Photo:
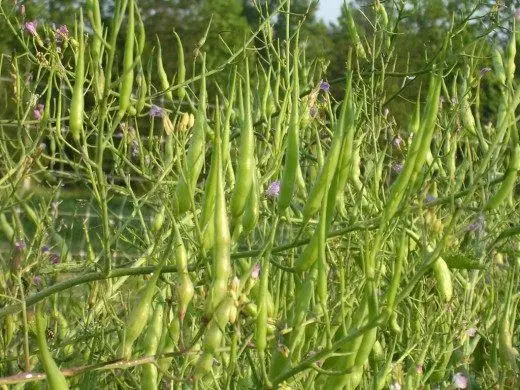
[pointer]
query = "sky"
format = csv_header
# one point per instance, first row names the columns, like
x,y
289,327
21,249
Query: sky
x,y
329,10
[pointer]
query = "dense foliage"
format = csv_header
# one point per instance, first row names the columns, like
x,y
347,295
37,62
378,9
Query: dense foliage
x,y
245,206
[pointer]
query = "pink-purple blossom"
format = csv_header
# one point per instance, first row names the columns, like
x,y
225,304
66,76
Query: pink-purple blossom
x,y
255,273
37,280
38,111
19,245
31,27
62,32
460,381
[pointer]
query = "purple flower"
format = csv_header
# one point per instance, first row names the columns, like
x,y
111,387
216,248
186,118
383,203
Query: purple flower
x,y
478,225
430,198
324,86
313,110
19,245
31,27
273,190
156,111
37,280
395,386
62,32
256,271
397,167
485,70
55,258
38,111
460,381
134,151
397,141
45,249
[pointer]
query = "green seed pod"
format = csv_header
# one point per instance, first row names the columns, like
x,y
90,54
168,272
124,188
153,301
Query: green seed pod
x,y
366,347
161,73
418,150
498,66
186,292
508,183
246,160
94,15
349,352
149,378
261,319
303,296
212,338
138,317
55,377
185,289
266,93
322,184
214,334
195,158
142,90
158,220
353,33
221,266
127,78
207,220
169,341
63,332
224,312
509,65
6,227
381,11
203,365
443,277
9,328
292,149
508,354
181,68
77,102
251,211
467,116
